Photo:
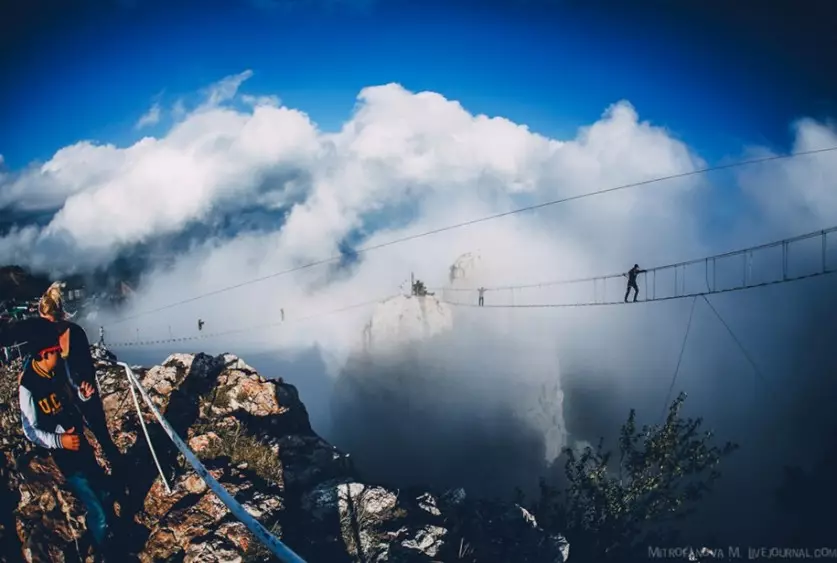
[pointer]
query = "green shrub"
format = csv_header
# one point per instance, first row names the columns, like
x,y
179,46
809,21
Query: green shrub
x,y
611,509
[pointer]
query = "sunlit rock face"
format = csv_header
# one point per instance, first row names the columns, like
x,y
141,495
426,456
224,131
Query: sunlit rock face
x,y
403,320
448,395
467,269
253,436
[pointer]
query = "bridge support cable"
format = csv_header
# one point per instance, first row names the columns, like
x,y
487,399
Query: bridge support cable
x,y
756,371
679,361
271,542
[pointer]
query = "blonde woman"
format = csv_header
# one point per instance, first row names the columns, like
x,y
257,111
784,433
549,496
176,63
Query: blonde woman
x,y
78,365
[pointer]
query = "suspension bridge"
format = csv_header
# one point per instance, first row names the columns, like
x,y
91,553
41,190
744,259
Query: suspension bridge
x,y
792,259
563,200
805,256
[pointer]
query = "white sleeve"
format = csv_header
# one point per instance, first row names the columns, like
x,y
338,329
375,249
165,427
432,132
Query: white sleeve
x,y
29,417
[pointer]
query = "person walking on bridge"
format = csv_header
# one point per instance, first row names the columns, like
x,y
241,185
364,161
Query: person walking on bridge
x,y
631,275
482,296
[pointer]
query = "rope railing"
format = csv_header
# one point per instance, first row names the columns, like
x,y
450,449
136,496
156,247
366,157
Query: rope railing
x,y
16,346
709,264
739,276
271,542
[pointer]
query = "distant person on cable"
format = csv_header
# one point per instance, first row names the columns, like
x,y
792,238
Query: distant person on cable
x,y
631,275
200,324
482,296
77,363
50,420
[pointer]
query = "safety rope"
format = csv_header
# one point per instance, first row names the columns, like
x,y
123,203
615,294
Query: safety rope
x,y
271,542
131,383
17,347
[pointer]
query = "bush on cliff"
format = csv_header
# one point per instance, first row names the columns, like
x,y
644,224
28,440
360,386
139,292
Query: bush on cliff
x,y
613,509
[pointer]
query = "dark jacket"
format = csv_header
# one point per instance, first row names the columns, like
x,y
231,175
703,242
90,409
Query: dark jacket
x,y
76,352
75,349
18,332
47,407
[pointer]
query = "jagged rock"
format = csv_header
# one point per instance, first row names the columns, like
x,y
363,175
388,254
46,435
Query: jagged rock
x,y
204,442
101,355
238,390
428,540
254,437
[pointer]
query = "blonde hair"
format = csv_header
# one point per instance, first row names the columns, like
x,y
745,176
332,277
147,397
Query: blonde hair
x,y
52,301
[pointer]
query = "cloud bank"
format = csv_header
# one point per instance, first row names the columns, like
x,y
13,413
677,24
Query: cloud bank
x,y
241,186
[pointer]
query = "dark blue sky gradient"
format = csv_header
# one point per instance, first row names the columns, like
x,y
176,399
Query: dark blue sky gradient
x,y
717,78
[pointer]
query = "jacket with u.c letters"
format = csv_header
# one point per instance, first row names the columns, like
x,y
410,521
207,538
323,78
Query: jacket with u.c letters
x,y
46,407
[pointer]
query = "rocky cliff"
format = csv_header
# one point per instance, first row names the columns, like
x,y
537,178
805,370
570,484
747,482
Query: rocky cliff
x,y
254,436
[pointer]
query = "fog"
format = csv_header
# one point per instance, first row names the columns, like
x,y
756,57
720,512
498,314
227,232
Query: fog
x,y
241,187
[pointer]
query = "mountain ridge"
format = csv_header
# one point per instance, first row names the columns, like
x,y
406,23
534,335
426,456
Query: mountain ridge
x,y
254,436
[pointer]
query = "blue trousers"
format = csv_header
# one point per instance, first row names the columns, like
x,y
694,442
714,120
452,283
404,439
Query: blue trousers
x,y
86,480
97,521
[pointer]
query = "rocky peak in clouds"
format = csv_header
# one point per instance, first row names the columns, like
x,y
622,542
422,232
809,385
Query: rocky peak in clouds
x,y
465,269
403,319
255,439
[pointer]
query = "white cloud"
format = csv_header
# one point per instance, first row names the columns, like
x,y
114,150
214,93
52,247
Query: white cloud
x,y
178,110
260,100
405,163
225,89
404,152
151,117
797,194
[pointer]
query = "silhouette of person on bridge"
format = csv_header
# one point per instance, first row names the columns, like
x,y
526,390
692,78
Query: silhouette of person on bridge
x,y
482,294
631,275
200,324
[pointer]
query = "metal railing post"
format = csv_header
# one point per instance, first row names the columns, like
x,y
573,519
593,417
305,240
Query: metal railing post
x,y
824,238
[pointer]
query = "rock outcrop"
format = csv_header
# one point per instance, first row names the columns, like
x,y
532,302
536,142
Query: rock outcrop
x,y
404,319
254,437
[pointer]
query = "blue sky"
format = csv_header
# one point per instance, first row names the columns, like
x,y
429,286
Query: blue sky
x,y
720,80
720,75
90,75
